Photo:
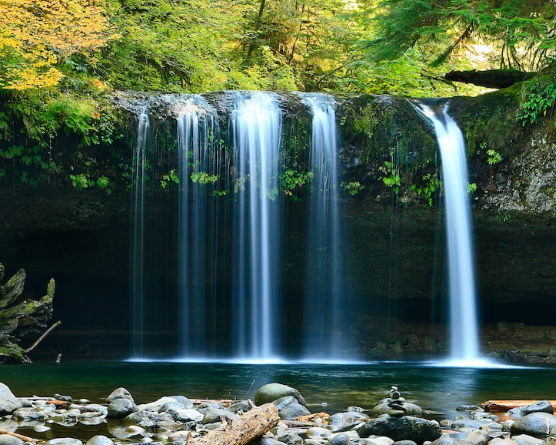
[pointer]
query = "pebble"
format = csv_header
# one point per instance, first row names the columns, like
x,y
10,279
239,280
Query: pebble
x,y
176,420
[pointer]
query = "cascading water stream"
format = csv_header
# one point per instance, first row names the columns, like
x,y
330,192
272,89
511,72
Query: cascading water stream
x,y
323,311
256,126
138,234
463,313
198,166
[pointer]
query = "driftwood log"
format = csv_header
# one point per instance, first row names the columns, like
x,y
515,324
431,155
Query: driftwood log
x,y
243,429
20,317
506,405
489,78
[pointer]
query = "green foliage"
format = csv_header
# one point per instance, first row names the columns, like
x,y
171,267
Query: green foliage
x,y
431,183
353,187
203,178
493,156
391,176
516,31
538,98
292,181
169,178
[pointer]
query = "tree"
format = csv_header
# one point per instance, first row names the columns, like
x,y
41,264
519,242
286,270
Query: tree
x,y
520,32
37,37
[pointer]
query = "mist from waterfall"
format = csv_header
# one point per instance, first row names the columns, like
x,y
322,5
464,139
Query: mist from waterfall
x,y
464,334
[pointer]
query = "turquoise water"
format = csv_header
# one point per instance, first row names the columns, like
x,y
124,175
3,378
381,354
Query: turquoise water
x,y
328,388
338,386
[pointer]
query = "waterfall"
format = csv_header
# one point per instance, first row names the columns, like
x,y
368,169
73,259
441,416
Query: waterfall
x,y
199,167
138,233
256,128
323,311
463,312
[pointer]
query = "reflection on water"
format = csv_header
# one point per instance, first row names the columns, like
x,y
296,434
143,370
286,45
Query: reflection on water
x,y
336,386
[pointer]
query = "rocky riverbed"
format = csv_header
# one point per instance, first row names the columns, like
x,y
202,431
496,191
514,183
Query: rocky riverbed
x,y
278,415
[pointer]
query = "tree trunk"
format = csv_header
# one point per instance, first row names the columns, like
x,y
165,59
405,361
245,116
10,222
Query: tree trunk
x,y
253,43
243,429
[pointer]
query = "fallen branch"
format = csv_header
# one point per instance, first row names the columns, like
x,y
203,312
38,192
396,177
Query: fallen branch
x,y
19,436
223,402
44,334
243,429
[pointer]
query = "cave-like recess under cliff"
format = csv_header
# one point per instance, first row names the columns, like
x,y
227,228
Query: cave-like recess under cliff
x,y
396,266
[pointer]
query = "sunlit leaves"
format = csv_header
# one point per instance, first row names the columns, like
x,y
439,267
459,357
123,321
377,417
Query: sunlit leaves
x,y
37,36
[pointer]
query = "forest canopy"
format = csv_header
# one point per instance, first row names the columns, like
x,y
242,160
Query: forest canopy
x,y
380,46
62,61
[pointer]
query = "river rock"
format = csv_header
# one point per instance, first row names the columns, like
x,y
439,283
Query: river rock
x,y
241,406
400,428
339,439
535,424
282,402
120,393
273,391
524,439
266,441
29,414
290,438
293,411
341,421
157,404
542,406
183,400
505,441
478,437
214,415
186,415
448,440
63,441
404,442
8,402
100,440
121,408
410,409
6,439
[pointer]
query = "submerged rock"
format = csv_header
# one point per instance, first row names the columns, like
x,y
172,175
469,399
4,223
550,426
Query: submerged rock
x,y
274,391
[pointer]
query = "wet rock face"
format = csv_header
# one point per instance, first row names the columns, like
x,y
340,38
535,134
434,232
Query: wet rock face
x,y
400,428
538,424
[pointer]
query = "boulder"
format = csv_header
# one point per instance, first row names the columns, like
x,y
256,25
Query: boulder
x,y
8,402
535,424
119,393
273,391
121,408
402,428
